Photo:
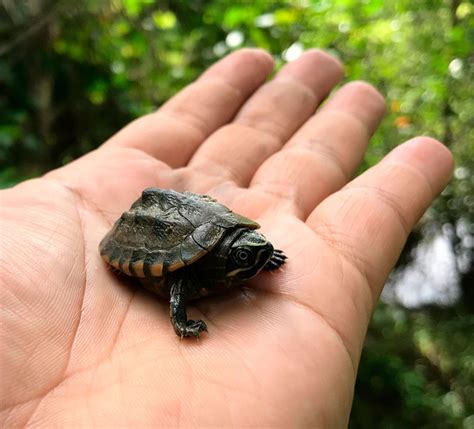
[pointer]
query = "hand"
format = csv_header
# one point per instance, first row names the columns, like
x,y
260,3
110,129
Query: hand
x,y
81,346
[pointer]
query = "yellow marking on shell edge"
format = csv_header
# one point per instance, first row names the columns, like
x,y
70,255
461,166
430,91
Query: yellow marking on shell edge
x,y
125,268
176,266
138,268
106,258
156,270
192,260
115,264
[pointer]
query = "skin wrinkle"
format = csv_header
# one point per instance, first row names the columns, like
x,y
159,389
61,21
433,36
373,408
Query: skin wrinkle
x,y
194,137
11,415
245,58
113,150
120,325
266,145
221,170
178,108
271,142
35,225
332,328
31,353
67,362
388,199
92,380
191,385
322,148
217,80
214,83
352,296
196,126
258,117
92,389
120,382
237,350
11,292
77,197
276,190
359,90
225,386
205,316
15,312
366,287
320,161
328,234
348,117
280,190
259,122
36,231
108,217
308,92
274,138
179,416
188,118
417,172
155,163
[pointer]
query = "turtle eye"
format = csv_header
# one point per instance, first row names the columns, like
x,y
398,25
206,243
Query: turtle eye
x,y
242,256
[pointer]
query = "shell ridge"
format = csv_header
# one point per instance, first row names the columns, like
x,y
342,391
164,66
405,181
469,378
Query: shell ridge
x,y
192,236
186,217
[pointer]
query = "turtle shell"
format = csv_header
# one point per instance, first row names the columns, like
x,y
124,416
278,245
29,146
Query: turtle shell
x,y
165,230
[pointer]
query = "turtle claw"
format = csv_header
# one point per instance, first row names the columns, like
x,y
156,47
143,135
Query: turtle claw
x,y
276,260
192,328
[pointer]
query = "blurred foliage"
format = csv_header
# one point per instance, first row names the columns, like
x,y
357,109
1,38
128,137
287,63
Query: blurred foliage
x,y
72,73
417,371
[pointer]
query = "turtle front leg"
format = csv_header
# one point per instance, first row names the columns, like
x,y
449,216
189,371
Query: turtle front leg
x,y
276,260
179,319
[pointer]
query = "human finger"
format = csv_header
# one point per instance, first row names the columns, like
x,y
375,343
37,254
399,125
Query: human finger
x,y
269,118
324,153
176,130
368,221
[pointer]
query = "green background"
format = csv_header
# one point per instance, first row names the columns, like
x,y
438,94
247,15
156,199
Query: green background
x,y
74,72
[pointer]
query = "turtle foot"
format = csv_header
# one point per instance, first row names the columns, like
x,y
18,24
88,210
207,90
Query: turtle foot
x,y
276,260
193,328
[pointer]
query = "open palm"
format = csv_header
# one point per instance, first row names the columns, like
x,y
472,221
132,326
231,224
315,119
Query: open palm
x,y
83,346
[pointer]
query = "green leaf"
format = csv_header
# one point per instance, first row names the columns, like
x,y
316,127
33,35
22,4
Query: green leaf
x,y
286,16
134,7
164,20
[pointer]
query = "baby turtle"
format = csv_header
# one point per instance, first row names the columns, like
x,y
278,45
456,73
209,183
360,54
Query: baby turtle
x,y
183,246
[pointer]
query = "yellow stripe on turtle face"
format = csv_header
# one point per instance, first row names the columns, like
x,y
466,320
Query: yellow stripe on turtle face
x,y
138,269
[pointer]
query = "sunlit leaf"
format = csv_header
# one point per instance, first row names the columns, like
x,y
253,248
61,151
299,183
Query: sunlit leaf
x,y
286,16
164,20
134,7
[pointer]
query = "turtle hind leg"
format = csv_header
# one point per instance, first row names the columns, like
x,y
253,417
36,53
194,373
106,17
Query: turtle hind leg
x,y
276,260
179,319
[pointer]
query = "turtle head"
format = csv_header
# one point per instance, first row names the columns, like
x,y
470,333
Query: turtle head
x,y
247,255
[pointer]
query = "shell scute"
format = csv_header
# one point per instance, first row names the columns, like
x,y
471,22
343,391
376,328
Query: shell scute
x,y
165,230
